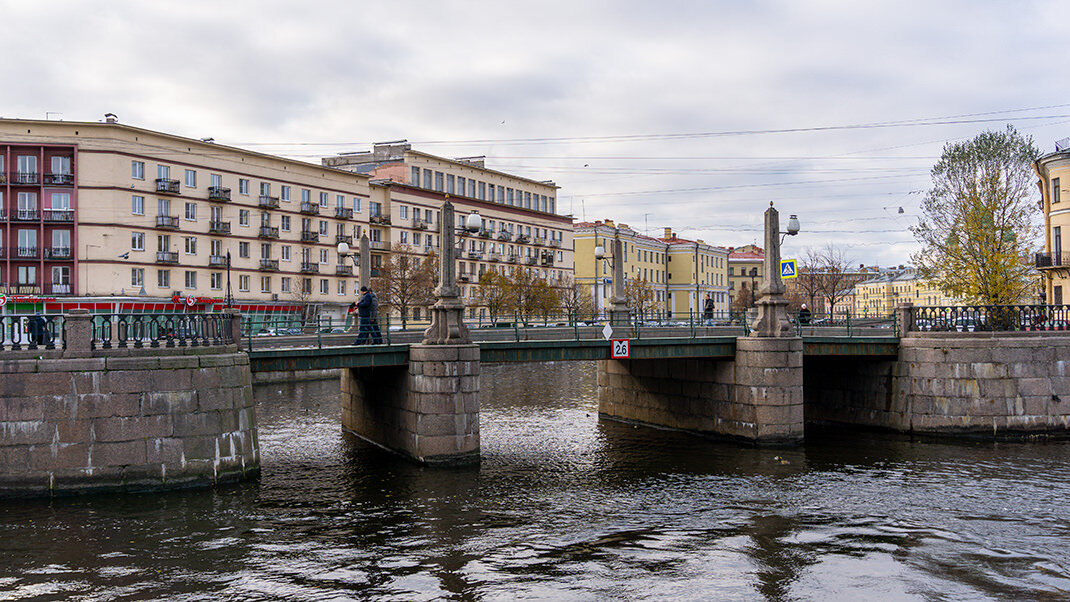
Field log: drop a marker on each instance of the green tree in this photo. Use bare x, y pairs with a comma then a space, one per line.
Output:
979, 219
639, 296
493, 292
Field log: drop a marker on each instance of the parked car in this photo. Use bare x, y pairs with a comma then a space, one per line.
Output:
267, 332
332, 330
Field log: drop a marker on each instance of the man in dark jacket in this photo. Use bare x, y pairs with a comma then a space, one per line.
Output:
364, 313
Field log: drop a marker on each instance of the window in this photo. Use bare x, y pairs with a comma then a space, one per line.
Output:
285, 252
341, 287
324, 258
324, 198
306, 195
414, 177
265, 284
215, 281
27, 274
285, 193
215, 180
191, 280
403, 212
137, 205
137, 276
243, 217
449, 184
163, 172
137, 170
427, 179
163, 242
243, 186
325, 287
527, 200
191, 212
509, 196
472, 188
1055, 190
285, 225
482, 191
216, 248
323, 228
375, 209
243, 283
243, 249
340, 200
1057, 245
356, 205
404, 237
439, 177
191, 178
286, 284
490, 193
137, 241
461, 185
265, 250
190, 245
163, 278
265, 189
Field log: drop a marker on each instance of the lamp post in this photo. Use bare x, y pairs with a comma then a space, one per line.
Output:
618, 303
447, 314
229, 299
772, 308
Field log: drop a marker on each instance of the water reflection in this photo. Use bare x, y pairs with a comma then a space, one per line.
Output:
566, 506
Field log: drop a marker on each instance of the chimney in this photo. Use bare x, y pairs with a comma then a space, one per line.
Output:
111, 118
609, 223
668, 233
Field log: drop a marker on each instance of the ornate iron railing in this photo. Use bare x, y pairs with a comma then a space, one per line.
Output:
981, 318
31, 332
136, 331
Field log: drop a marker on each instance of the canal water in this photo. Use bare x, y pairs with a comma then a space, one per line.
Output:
566, 507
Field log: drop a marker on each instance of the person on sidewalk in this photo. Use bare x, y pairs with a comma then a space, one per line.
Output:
377, 335
364, 315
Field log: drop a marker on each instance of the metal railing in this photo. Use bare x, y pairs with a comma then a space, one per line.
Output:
989, 318
1052, 260
169, 186
136, 331
34, 332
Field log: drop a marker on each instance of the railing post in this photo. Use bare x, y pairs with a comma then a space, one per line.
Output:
904, 318
78, 333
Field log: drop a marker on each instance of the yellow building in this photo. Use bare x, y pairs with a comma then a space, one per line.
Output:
681, 273
879, 296
1053, 170
106, 209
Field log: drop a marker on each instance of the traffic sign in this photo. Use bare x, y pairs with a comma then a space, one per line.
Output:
788, 268
622, 349
3, 299
607, 332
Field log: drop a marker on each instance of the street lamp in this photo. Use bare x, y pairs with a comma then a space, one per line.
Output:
343, 252
793, 227
230, 293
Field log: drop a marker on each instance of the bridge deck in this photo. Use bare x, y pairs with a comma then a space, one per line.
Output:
723, 347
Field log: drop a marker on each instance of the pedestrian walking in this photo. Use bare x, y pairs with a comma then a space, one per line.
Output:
377, 335
364, 316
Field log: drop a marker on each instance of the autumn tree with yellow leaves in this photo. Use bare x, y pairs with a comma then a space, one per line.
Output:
979, 224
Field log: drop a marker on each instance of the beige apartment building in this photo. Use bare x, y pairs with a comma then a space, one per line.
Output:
878, 297
681, 273
1053, 171
520, 226
111, 210
745, 270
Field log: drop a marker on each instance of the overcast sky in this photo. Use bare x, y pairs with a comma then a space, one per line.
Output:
649, 113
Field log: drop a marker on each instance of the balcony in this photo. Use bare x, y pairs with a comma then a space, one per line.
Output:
1047, 261
484, 233
463, 277
380, 219
429, 248
269, 265
505, 235
419, 224
308, 267
167, 186
58, 253
475, 255
511, 258
343, 270
340, 238
379, 245
59, 179
343, 213
494, 256
55, 288
24, 177
540, 240
25, 215
309, 236
269, 202
309, 209
555, 243
523, 238
167, 221
59, 215
219, 193
217, 261
547, 260
268, 232
531, 260
167, 257
24, 252
215, 227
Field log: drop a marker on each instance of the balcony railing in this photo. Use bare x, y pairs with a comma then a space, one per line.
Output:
24, 177
547, 260
343, 212
55, 288
463, 277
24, 252
310, 236
168, 257
475, 254
25, 215
59, 179
343, 270
308, 267
58, 253
539, 240
167, 221
380, 219
167, 186
1052, 260
268, 232
215, 227
484, 233
380, 245
419, 224
343, 238
494, 256
217, 261
523, 238
269, 265
310, 208
511, 258
531, 260
269, 202
505, 235
218, 193
555, 242
59, 215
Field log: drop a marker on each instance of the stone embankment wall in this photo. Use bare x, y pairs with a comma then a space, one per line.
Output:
979, 383
127, 420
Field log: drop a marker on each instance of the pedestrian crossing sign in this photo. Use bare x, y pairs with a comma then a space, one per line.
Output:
787, 268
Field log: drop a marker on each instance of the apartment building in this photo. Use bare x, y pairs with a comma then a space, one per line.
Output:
745, 269
109, 210
879, 296
520, 227
680, 272
1053, 170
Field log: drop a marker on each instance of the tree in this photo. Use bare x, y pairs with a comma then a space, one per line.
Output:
744, 298
573, 298
825, 278
639, 296
406, 280
979, 224
493, 292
